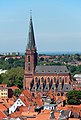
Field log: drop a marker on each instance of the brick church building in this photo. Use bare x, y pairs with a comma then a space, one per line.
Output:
43, 78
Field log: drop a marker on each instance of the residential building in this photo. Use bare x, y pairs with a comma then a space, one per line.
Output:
5, 92
78, 77
16, 105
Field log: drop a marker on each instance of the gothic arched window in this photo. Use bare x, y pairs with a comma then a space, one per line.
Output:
36, 79
28, 67
28, 58
42, 79
48, 79
60, 79
54, 79
65, 79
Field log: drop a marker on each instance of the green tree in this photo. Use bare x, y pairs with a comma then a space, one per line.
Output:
74, 97
14, 76
17, 92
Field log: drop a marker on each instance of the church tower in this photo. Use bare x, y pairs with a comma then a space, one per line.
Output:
30, 57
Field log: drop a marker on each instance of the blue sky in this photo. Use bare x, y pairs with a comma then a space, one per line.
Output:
57, 25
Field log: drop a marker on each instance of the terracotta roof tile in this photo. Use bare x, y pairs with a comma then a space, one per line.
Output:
74, 108
38, 101
23, 109
15, 114
73, 119
1, 100
3, 85
2, 115
29, 113
26, 93
14, 88
2, 107
25, 100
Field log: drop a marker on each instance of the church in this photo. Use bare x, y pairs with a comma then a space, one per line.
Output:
43, 78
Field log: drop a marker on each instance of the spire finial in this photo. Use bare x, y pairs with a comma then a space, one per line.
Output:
31, 39
30, 14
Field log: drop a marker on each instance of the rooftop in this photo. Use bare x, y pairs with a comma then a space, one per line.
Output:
51, 69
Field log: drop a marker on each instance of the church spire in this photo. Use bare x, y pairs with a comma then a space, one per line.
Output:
31, 40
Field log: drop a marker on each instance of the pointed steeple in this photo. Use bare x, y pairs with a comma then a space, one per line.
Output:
31, 38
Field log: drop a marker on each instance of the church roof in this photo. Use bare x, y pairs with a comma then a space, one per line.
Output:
51, 69
31, 39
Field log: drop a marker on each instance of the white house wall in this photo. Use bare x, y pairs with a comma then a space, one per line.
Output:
18, 103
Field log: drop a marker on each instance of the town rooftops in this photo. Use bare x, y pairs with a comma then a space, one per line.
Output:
51, 69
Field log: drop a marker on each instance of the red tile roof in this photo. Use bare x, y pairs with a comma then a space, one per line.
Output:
8, 102
74, 108
14, 88
73, 119
25, 100
2, 107
3, 85
1, 100
38, 101
15, 114
2, 115
26, 93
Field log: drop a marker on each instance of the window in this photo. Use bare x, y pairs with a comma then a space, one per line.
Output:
28, 67
65, 79
48, 79
18, 100
42, 79
36, 79
51, 81
60, 79
52, 88
58, 94
54, 79
33, 87
28, 58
